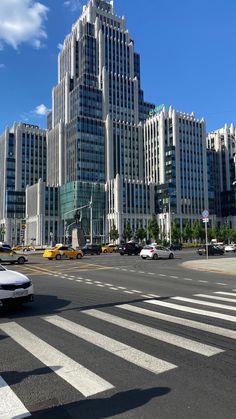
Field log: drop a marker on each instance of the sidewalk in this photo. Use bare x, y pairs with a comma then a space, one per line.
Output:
225, 266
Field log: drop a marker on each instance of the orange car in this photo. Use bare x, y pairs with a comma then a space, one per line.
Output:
62, 252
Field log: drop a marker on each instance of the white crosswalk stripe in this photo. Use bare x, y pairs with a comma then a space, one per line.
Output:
180, 320
193, 310
204, 303
113, 346
10, 405
74, 373
158, 334
213, 297
225, 293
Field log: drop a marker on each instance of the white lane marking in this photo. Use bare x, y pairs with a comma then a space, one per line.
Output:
151, 273
141, 272
100, 285
220, 283
65, 274
124, 269
87, 279
88, 283
71, 279
214, 297
128, 292
161, 275
109, 285
131, 270
72, 276
187, 279
80, 277
154, 295
122, 288
138, 292
97, 282
201, 280
113, 346
10, 405
79, 280
71, 371
170, 338
204, 303
175, 277
225, 293
229, 333
193, 310
113, 288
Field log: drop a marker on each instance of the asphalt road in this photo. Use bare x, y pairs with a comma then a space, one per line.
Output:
111, 336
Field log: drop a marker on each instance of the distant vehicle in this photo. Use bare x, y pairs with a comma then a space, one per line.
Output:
62, 252
9, 255
22, 248
129, 249
156, 252
212, 250
5, 245
92, 249
15, 288
230, 248
176, 246
108, 248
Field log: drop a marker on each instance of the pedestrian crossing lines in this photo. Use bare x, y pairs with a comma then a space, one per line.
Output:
132, 320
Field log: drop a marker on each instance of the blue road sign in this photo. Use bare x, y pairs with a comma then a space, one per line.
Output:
205, 214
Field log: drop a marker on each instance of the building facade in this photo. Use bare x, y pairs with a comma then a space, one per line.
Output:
176, 162
98, 109
23, 161
221, 146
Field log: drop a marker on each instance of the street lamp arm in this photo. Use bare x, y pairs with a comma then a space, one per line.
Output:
79, 208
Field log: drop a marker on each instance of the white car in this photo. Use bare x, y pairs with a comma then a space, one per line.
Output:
230, 248
9, 255
155, 252
15, 287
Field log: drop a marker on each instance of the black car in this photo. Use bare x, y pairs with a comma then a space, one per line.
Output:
92, 249
129, 249
212, 250
176, 246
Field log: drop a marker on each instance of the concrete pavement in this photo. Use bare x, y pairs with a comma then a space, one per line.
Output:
220, 265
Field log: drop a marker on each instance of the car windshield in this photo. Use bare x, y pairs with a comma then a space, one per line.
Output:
148, 247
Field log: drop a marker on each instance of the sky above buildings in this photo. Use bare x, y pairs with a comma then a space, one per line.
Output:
187, 50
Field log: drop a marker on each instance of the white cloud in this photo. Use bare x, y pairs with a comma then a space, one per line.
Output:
60, 46
22, 21
73, 5
42, 110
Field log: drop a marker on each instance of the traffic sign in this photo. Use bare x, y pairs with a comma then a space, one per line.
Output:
205, 214
205, 220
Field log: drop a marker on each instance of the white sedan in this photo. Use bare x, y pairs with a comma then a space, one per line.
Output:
9, 255
230, 248
15, 287
155, 252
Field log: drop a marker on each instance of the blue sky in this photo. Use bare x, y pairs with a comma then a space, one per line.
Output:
187, 50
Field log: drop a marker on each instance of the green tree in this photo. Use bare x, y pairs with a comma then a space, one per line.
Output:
187, 232
114, 235
198, 231
128, 233
226, 233
175, 231
141, 234
153, 228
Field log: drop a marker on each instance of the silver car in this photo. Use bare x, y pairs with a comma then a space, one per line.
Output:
155, 252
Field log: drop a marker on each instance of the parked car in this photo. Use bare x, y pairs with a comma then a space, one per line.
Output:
15, 287
212, 250
108, 248
92, 249
62, 252
156, 252
230, 248
129, 249
9, 255
176, 246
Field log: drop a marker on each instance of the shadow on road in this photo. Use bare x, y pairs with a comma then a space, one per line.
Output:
14, 377
108, 407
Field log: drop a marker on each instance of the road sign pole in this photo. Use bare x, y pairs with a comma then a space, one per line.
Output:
206, 241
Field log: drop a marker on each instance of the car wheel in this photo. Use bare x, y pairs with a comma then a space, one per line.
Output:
142, 257
122, 254
21, 260
171, 256
58, 257
155, 256
78, 256
49, 258
104, 251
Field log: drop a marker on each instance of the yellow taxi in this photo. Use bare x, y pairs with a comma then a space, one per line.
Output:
23, 248
109, 248
62, 252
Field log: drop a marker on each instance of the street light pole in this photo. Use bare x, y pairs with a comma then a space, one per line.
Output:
91, 220
170, 232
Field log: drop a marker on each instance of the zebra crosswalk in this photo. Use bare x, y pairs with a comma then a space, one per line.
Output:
90, 327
